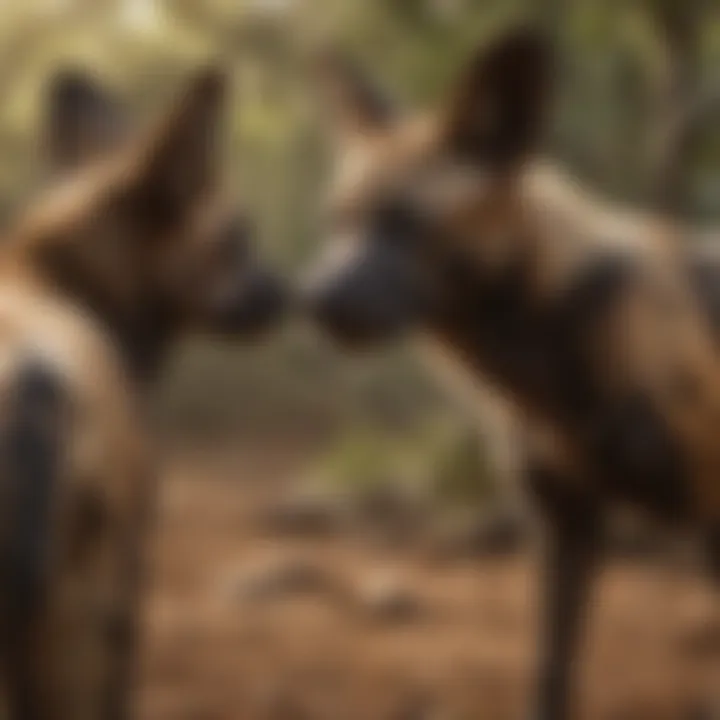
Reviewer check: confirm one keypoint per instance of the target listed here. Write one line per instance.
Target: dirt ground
(461, 649)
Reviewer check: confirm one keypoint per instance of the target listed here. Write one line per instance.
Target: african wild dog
(584, 315)
(135, 242)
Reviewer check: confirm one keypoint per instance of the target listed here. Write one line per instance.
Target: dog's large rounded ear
(498, 113)
(356, 104)
(82, 120)
(180, 161)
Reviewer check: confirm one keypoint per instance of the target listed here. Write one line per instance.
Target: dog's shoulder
(38, 326)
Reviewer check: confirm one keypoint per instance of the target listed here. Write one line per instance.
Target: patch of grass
(458, 468)
(362, 460)
(444, 461)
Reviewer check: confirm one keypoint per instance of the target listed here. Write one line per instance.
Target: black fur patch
(495, 324)
(630, 444)
(541, 354)
(573, 320)
(538, 351)
(595, 291)
(638, 459)
(560, 499)
(31, 447)
(31, 455)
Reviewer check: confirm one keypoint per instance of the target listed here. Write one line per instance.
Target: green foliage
(362, 461)
(458, 466)
(445, 462)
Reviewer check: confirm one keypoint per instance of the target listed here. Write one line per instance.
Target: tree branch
(679, 25)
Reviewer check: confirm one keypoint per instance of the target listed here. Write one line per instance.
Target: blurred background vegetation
(638, 117)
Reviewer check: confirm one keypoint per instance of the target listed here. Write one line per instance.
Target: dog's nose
(266, 302)
(344, 312)
(254, 307)
(322, 302)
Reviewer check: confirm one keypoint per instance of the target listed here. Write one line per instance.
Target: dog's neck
(513, 321)
(143, 335)
(142, 330)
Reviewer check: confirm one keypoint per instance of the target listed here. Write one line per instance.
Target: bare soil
(214, 652)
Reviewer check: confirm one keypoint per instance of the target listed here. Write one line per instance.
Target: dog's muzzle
(255, 306)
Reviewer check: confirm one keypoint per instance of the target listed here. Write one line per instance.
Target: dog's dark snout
(336, 305)
(323, 304)
(267, 300)
(255, 306)
(362, 305)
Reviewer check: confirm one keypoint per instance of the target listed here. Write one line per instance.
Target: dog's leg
(92, 616)
(571, 554)
(31, 482)
(123, 643)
